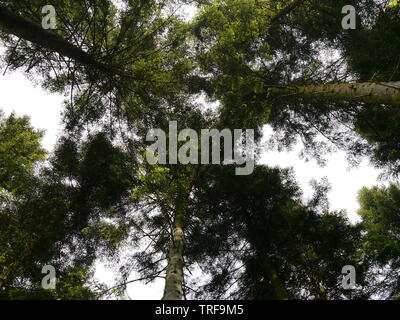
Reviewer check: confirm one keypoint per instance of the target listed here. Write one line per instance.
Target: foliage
(142, 65)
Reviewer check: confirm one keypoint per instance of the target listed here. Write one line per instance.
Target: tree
(127, 70)
(380, 221)
(31, 230)
(20, 151)
(120, 64)
(146, 71)
(377, 123)
(267, 243)
(378, 93)
(52, 214)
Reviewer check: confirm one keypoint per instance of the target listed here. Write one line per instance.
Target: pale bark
(369, 92)
(173, 289)
(174, 278)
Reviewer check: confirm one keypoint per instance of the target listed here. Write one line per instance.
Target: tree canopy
(129, 66)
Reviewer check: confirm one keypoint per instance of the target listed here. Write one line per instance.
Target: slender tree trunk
(173, 289)
(382, 92)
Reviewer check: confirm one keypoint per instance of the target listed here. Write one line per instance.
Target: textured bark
(23, 28)
(173, 289)
(174, 278)
(382, 92)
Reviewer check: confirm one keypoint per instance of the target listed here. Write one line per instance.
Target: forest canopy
(129, 67)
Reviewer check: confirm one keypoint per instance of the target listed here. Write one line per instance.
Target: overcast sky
(18, 94)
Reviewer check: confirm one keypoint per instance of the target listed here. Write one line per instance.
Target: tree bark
(174, 278)
(369, 92)
(173, 289)
(25, 29)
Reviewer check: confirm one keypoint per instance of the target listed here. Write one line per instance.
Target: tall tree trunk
(382, 92)
(173, 289)
(25, 29)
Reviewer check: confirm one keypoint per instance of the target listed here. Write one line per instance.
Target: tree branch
(23, 28)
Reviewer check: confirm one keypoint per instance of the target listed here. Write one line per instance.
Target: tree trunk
(25, 29)
(173, 289)
(382, 92)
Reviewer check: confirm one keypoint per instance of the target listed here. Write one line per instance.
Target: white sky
(19, 95)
